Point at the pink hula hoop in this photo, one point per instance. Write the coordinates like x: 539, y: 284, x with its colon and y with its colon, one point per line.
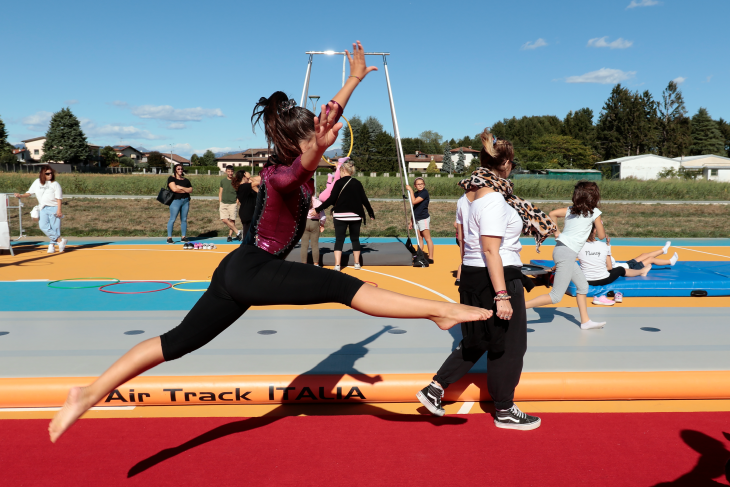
x: 135, y: 292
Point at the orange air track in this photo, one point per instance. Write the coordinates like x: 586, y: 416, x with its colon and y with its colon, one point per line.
x: 323, y: 389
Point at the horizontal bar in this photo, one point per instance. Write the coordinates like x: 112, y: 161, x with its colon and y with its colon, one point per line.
x: 342, y: 53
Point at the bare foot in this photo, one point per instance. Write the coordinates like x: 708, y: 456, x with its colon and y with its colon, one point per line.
x: 72, y: 410
x: 646, y: 269
x: 454, y: 314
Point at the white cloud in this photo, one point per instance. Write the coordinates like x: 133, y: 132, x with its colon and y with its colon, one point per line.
x: 215, y: 150
x: 602, y: 76
x: 617, y: 44
x: 176, y: 126
x: 171, y: 114
x: 38, y: 122
x: 679, y: 80
x: 534, y: 45
x: 643, y: 3
x: 709, y: 78
x: 71, y: 102
x: 116, y: 131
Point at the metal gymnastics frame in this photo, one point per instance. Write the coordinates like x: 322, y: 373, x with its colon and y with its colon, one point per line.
x: 396, y: 132
x: 20, y: 206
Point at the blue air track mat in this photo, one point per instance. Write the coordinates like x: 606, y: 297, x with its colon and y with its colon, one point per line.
x: 681, y: 279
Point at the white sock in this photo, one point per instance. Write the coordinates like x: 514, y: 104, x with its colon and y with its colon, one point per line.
x: 437, y: 386
x: 590, y: 325
x: 666, y: 247
x: 674, y: 258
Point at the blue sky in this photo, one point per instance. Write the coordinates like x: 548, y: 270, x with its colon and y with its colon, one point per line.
x: 156, y: 73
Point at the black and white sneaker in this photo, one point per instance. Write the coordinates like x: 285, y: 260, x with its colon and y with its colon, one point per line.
x: 430, y: 396
x: 229, y: 239
x: 515, y: 419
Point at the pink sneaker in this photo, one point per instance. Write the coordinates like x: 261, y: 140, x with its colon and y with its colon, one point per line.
x: 603, y: 301
x: 619, y: 297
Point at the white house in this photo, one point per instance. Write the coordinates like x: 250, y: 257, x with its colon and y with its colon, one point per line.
x: 420, y: 161
x: 714, y: 168
x: 469, y: 154
x: 34, y: 150
x: 644, y: 166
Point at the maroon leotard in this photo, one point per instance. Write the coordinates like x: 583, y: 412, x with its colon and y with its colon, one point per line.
x: 284, y: 198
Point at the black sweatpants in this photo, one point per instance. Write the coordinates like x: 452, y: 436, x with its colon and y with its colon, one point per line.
x: 341, y: 227
x: 503, y: 369
x: 249, y: 277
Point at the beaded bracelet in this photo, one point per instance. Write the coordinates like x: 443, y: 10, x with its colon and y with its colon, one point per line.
x: 353, y: 76
x: 502, y: 297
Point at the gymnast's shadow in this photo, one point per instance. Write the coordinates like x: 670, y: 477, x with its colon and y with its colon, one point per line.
x: 547, y: 315
x: 335, y: 366
x: 711, y: 464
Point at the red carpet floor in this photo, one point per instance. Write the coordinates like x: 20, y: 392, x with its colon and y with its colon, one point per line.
x: 641, y: 449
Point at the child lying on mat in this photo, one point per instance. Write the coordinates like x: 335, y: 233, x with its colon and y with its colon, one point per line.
x: 600, y: 268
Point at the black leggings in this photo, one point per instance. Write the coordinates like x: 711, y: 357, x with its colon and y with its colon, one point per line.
x: 503, y: 369
x: 341, y: 227
x: 247, y: 277
x: 613, y: 274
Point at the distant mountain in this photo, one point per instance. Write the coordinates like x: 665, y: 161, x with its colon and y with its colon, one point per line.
x: 19, y: 146
x: 142, y: 149
x: 334, y: 153
x: 221, y: 154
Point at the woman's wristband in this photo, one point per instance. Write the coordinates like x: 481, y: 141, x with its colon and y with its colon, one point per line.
x: 357, y: 78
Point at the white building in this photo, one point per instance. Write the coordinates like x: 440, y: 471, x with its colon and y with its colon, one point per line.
x: 644, y: 166
x: 714, y: 168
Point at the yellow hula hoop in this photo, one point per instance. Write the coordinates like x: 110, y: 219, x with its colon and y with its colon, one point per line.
x: 351, y: 141
x: 189, y: 290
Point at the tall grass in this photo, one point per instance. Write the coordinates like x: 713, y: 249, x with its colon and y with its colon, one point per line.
x: 382, y: 187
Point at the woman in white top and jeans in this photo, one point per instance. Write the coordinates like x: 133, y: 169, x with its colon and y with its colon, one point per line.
x: 50, y: 197
x: 492, y: 219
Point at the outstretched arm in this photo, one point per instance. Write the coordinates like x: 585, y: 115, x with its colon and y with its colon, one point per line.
x: 325, y: 125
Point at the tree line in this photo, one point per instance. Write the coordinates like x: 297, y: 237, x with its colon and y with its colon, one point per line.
x: 630, y: 123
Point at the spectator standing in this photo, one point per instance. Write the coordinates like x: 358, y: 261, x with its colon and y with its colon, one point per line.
x: 50, y: 198
x: 313, y: 227
x: 182, y: 188
x: 420, y: 200
x: 247, y: 189
x: 227, y: 204
x: 347, y: 198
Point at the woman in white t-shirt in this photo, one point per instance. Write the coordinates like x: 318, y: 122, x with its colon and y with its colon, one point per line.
x: 50, y: 197
x: 491, y: 278
x: 579, y: 219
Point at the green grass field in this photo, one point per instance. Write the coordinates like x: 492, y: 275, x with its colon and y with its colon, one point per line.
x: 382, y: 187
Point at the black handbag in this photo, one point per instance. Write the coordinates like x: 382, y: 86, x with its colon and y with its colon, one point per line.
x: 165, y: 196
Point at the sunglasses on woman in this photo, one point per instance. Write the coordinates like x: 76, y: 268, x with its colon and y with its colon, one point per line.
x: 49, y: 174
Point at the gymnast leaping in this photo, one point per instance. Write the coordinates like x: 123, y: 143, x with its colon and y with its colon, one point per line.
x: 299, y: 140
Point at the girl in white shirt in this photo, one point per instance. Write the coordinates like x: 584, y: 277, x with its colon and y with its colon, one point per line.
x: 50, y: 197
x: 600, y: 269
x: 579, y: 219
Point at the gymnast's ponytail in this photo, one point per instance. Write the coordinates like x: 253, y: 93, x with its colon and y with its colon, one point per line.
x: 285, y: 125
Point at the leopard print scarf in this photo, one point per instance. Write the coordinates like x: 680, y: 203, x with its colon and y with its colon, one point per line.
x: 534, y: 221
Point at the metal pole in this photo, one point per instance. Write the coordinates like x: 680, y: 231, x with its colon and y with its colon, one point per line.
x: 344, y: 59
x: 399, y: 146
x: 305, y: 90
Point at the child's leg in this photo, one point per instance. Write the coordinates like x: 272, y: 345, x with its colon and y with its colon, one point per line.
x: 649, y: 255
x: 638, y: 272
x: 564, y: 261
x: 426, y: 236
x: 657, y: 262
